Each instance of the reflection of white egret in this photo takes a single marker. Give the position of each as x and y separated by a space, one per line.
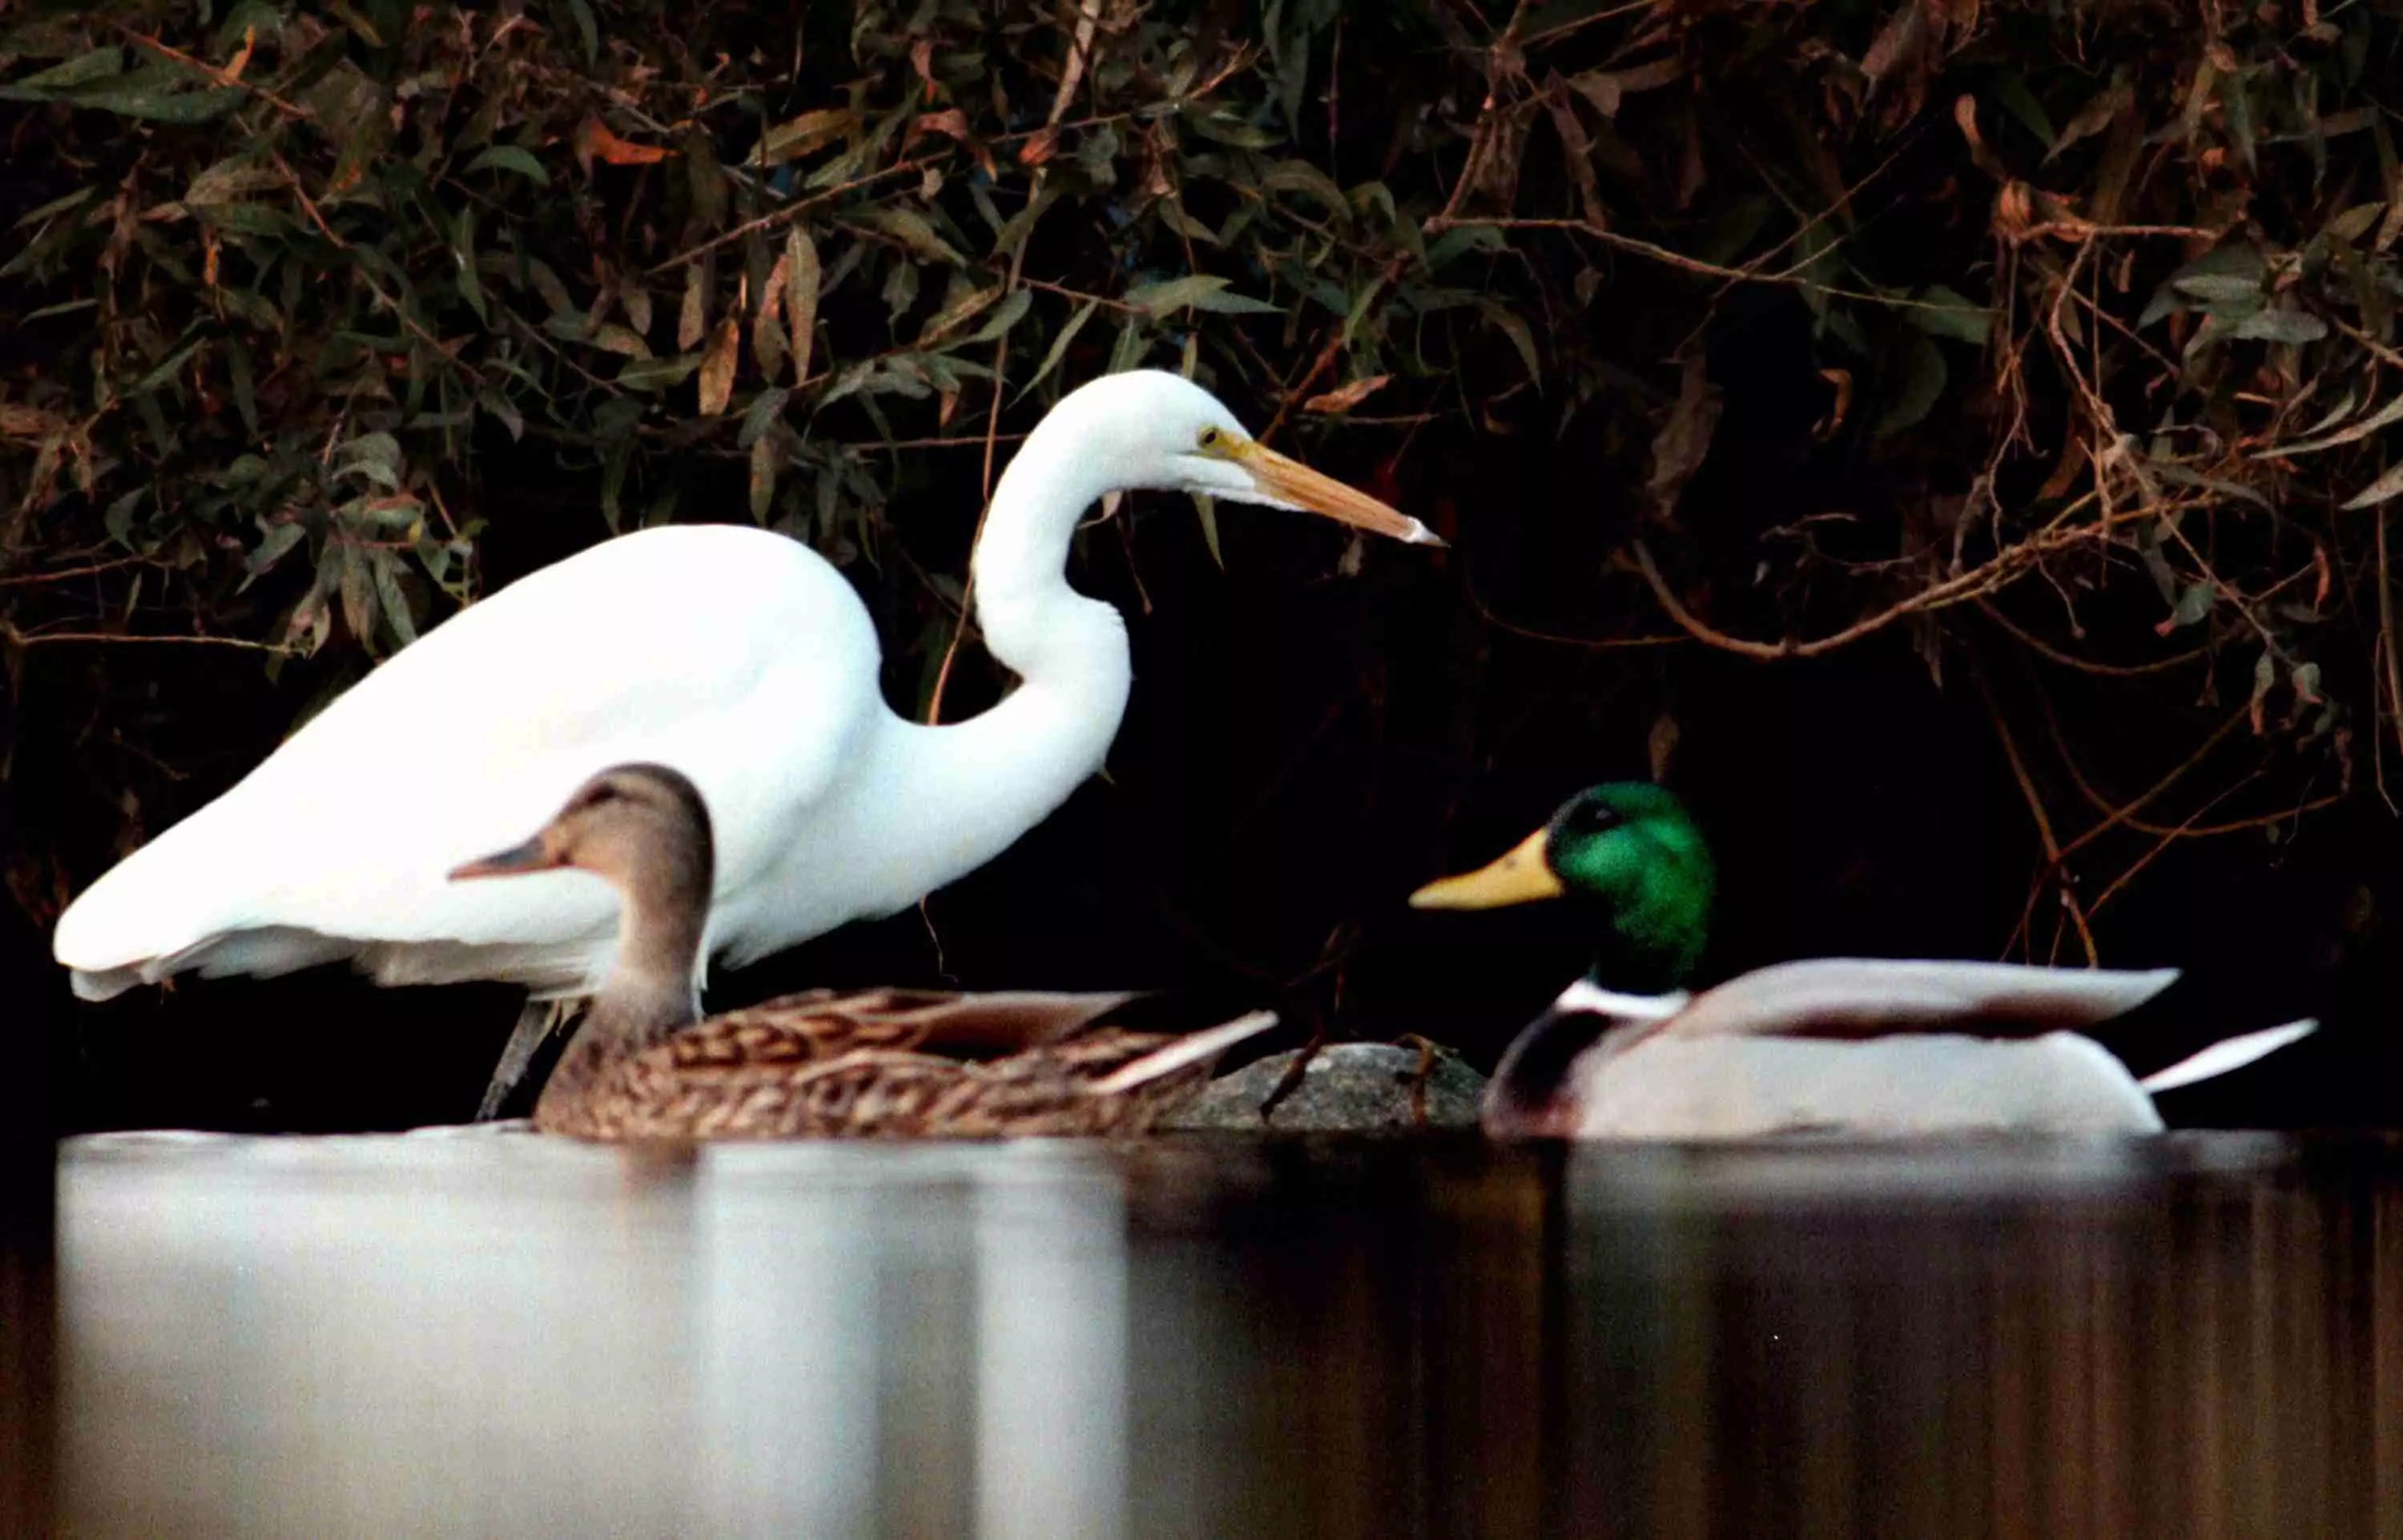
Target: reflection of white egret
791 1252
495 1334
1052 1347
315 1337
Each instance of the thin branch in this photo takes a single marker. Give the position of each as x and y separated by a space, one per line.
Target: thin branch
2084 665
2055 857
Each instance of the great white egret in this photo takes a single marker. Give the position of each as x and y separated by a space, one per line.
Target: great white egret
735 655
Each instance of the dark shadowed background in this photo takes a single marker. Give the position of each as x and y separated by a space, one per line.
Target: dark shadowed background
1998 337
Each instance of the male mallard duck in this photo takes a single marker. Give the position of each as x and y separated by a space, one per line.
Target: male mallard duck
1852 1045
646 1066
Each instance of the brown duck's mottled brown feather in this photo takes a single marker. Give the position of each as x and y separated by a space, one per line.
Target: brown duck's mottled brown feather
860 1064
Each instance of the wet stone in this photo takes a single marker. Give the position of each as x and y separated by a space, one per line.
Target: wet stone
1349 1087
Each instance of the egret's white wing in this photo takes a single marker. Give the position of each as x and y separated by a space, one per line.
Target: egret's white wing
736 656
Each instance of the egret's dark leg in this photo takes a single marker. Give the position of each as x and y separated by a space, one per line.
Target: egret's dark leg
534 1029
1430 1053
1290 1081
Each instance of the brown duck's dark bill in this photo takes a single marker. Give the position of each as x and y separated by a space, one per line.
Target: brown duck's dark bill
1520 876
534 855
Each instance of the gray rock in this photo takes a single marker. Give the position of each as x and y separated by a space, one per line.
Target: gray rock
1349 1087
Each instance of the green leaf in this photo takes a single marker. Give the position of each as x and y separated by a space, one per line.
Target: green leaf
587 30
229 179
117 522
375 456
609 337
1302 177
280 540
246 218
2231 271
659 374
57 205
1131 345
2011 91
1206 506
1203 291
915 232
2356 222
158 93
2363 429
510 158
1059 348
1227 128
394 602
65 307
166 370
1514 327
98 64
2387 486
1959 317
2192 605
765 457
463 253
2282 326
1461 240
246 389
503 409
964 303
1007 314
765 408
1922 386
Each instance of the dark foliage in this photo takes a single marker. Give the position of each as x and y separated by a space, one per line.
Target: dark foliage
2020 381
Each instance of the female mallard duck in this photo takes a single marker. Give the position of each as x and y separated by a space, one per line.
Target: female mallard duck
646 1066
1832 1045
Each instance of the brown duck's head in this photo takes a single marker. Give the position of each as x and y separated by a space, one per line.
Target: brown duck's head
640 826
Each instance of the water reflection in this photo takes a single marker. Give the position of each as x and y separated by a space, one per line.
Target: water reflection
26 1427
496 1334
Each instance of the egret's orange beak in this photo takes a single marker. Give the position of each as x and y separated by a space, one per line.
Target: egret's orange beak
1288 480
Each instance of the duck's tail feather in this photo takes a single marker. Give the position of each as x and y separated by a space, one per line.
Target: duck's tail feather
2231 1053
1197 1047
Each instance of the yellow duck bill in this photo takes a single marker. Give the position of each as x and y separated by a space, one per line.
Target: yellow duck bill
1521 875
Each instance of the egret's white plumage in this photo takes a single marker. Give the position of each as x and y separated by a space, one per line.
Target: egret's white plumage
735 655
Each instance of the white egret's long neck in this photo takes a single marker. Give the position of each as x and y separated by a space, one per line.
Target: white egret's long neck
964 792
1032 619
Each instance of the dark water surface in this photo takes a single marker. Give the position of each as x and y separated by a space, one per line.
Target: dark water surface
497 1334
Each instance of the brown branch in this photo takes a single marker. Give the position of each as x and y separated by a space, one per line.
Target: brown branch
788 214
1789 278
2056 862
25 639
2386 633
1974 584
1590 644
1327 355
2084 665
63 574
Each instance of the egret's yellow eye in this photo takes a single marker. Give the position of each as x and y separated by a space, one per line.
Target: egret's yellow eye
1211 439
